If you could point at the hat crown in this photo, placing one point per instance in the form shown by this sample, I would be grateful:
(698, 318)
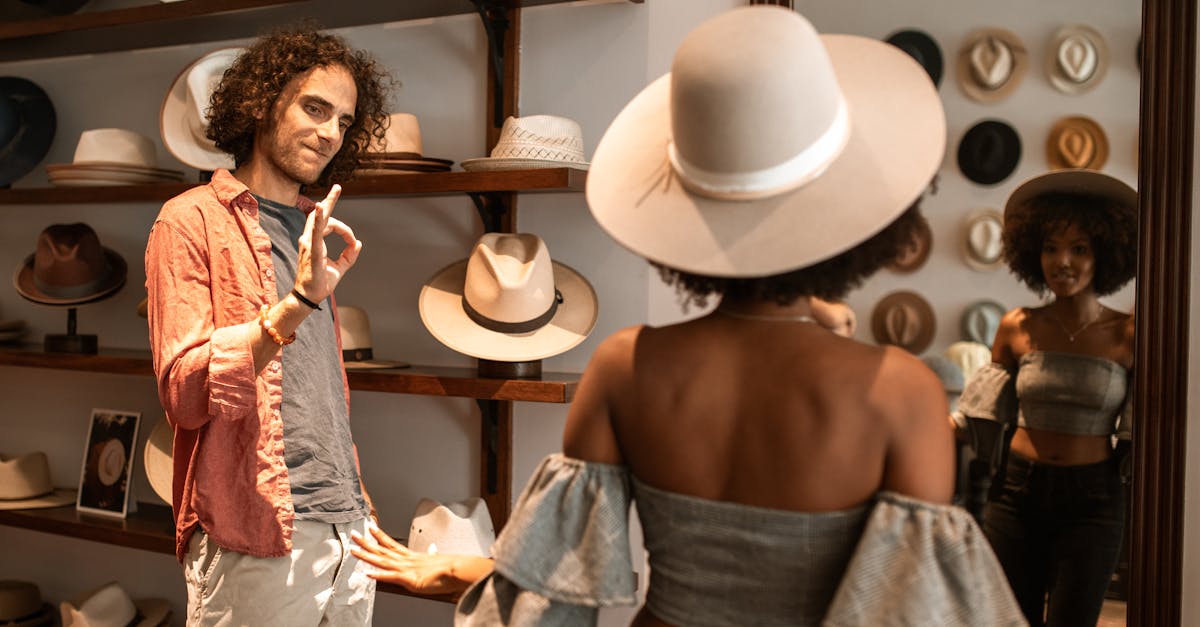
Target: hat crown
(25, 476)
(543, 137)
(991, 62)
(19, 600)
(202, 80)
(68, 256)
(461, 528)
(510, 277)
(403, 135)
(354, 327)
(1077, 58)
(755, 106)
(108, 606)
(970, 356)
(902, 323)
(1076, 147)
(115, 145)
(984, 238)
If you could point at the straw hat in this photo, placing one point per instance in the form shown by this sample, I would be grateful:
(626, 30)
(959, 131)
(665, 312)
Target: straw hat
(400, 151)
(917, 252)
(357, 351)
(991, 64)
(1083, 182)
(1076, 59)
(983, 245)
(21, 605)
(461, 528)
(157, 457)
(903, 319)
(111, 156)
(25, 484)
(508, 301)
(989, 152)
(27, 125)
(183, 117)
(795, 148)
(69, 267)
(922, 47)
(535, 141)
(980, 320)
(1076, 141)
(110, 606)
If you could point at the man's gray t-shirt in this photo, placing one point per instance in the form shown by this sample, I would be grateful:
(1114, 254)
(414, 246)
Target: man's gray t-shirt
(317, 444)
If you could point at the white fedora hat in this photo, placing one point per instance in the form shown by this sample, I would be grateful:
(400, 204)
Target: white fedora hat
(534, 141)
(157, 457)
(25, 484)
(357, 350)
(767, 147)
(110, 606)
(183, 118)
(992, 62)
(983, 245)
(509, 301)
(461, 528)
(1076, 59)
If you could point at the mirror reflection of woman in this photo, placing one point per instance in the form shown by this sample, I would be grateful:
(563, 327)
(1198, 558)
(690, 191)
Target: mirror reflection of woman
(1060, 379)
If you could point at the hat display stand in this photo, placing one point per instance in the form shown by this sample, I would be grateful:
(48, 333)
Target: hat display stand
(490, 369)
(71, 342)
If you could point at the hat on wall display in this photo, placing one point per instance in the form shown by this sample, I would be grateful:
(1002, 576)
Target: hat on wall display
(970, 356)
(983, 246)
(1076, 59)
(709, 163)
(916, 252)
(357, 350)
(156, 456)
(460, 528)
(21, 605)
(903, 319)
(509, 301)
(111, 606)
(989, 152)
(27, 125)
(25, 483)
(69, 267)
(923, 48)
(1076, 141)
(992, 62)
(183, 117)
(980, 320)
(111, 156)
(401, 151)
(535, 141)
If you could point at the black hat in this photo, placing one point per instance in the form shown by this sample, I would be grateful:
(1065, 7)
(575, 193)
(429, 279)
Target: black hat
(27, 124)
(988, 152)
(922, 47)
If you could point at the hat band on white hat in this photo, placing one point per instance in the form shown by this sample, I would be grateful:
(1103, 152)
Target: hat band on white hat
(501, 326)
(795, 172)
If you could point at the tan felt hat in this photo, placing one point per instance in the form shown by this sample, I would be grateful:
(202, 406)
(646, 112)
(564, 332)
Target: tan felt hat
(992, 62)
(903, 319)
(1076, 141)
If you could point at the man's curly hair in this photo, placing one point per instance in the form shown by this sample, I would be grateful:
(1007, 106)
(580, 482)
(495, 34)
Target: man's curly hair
(258, 76)
(830, 279)
(1111, 227)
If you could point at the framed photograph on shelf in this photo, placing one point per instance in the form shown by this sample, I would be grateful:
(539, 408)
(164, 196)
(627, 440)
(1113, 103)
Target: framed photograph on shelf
(105, 480)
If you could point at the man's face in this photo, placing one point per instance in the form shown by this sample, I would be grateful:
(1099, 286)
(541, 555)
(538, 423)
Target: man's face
(309, 122)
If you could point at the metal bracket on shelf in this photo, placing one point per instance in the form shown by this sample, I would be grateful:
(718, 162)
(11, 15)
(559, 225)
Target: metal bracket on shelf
(495, 24)
(489, 414)
(492, 208)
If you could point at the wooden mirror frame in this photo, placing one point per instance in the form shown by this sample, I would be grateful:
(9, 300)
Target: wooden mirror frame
(1165, 155)
(1165, 158)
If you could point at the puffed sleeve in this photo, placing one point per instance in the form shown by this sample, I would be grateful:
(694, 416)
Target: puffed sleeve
(921, 563)
(564, 552)
(991, 393)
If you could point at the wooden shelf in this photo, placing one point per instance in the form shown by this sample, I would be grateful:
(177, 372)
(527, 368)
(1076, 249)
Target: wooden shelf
(551, 387)
(159, 24)
(149, 529)
(425, 184)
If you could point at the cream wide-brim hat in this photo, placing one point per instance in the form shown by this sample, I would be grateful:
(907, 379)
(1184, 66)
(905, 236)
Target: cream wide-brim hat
(1084, 182)
(896, 143)
(177, 114)
(442, 312)
(157, 457)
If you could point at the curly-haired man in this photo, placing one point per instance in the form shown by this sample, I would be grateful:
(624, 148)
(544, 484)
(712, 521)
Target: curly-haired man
(246, 345)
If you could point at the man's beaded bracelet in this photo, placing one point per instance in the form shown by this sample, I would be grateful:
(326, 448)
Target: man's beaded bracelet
(272, 331)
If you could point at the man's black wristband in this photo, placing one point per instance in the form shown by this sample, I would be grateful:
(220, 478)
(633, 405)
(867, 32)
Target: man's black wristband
(300, 297)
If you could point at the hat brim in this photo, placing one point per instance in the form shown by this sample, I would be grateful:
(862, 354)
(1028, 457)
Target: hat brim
(1077, 181)
(897, 141)
(173, 122)
(157, 456)
(44, 617)
(442, 312)
(1020, 66)
(490, 164)
(33, 139)
(24, 283)
(375, 364)
(58, 498)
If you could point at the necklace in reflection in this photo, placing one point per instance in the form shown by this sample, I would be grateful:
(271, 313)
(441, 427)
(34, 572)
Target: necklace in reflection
(768, 318)
(1071, 336)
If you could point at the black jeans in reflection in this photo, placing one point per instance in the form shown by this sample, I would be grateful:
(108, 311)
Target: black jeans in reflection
(1057, 531)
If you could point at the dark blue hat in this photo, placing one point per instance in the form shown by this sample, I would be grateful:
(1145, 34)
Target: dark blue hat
(922, 47)
(27, 125)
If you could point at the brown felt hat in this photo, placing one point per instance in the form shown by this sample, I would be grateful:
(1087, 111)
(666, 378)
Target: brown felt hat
(69, 267)
(904, 319)
(915, 253)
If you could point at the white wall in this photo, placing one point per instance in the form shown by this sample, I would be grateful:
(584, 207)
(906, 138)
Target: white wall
(580, 61)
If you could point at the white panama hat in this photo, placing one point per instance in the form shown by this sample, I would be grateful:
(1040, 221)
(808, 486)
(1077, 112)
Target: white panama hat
(767, 148)
(183, 117)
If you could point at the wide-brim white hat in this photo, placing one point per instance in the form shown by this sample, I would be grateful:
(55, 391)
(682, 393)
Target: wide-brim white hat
(109, 605)
(460, 528)
(25, 483)
(157, 457)
(179, 122)
(893, 146)
(442, 311)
